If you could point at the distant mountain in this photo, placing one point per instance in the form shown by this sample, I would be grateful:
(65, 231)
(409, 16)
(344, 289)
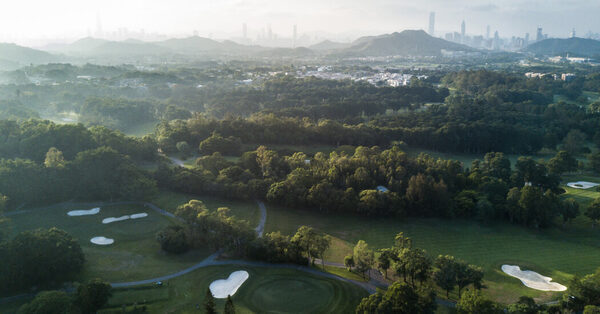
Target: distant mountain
(12, 55)
(329, 45)
(99, 47)
(577, 47)
(300, 52)
(192, 45)
(406, 43)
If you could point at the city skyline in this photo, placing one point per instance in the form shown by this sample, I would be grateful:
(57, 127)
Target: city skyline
(334, 19)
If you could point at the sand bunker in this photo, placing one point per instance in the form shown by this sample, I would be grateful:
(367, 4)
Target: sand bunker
(126, 217)
(102, 241)
(92, 211)
(137, 216)
(221, 288)
(532, 279)
(582, 185)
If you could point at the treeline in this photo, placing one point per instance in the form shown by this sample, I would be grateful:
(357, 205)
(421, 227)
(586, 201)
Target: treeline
(379, 182)
(31, 139)
(312, 97)
(416, 275)
(494, 111)
(96, 174)
(39, 257)
(220, 231)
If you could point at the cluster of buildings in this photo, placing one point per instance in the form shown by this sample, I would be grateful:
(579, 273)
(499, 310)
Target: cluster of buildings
(382, 78)
(567, 77)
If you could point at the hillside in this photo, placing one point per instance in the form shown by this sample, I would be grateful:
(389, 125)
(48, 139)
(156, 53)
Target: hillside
(14, 55)
(329, 45)
(580, 47)
(406, 43)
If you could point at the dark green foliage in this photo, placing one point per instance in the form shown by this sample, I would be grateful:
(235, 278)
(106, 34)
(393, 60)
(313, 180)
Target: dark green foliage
(593, 211)
(49, 302)
(229, 307)
(209, 303)
(399, 298)
(472, 302)
(92, 296)
(217, 143)
(38, 257)
(525, 305)
(173, 239)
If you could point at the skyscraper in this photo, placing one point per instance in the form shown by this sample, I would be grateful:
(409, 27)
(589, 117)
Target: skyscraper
(295, 35)
(432, 23)
(540, 34)
(487, 33)
(496, 43)
(573, 34)
(463, 30)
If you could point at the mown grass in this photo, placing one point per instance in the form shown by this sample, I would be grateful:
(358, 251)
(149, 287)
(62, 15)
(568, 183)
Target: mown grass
(266, 291)
(559, 252)
(135, 255)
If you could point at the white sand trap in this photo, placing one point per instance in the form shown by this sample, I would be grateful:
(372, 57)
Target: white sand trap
(138, 216)
(582, 185)
(92, 211)
(113, 219)
(126, 217)
(102, 241)
(532, 279)
(221, 288)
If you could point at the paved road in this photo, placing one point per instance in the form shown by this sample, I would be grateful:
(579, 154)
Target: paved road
(177, 161)
(260, 229)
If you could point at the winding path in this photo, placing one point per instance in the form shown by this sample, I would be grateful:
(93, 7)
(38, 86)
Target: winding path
(209, 261)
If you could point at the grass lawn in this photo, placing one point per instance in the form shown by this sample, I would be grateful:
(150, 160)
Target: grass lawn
(247, 210)
(142, 129)
(583, 196)
(135, 254)
(466, 159)
(266, 291)
(559, 252)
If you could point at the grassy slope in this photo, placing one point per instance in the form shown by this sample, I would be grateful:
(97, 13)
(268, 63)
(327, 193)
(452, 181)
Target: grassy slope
(266, 291)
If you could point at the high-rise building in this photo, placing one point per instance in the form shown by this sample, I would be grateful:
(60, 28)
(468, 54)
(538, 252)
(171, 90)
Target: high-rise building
(295, 35)
(526, 42)
(573, 34)
(269, 33)
(496, 43)
(463, 30)
(487, 33)
(540, 34)
(432, 23)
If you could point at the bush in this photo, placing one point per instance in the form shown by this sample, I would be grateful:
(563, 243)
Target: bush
(173, 239)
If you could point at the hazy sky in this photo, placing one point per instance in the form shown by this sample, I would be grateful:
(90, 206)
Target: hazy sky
(26, 19)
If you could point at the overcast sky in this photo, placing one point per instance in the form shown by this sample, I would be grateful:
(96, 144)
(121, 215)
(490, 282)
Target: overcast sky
(23, 20)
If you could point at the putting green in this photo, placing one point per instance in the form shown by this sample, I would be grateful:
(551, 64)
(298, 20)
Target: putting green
(267, 290)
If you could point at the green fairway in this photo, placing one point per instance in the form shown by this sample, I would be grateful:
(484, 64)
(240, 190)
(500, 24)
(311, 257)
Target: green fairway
(267, 290)
(135, 254)
(583, 196)
(558, 252)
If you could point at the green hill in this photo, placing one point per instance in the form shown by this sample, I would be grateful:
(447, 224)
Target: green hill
(577, 47)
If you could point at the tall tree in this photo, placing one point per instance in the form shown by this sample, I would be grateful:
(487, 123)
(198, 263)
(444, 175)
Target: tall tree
(363, 257)
(445, 273)
(229, 307)
(209, 303)
(593, 211)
